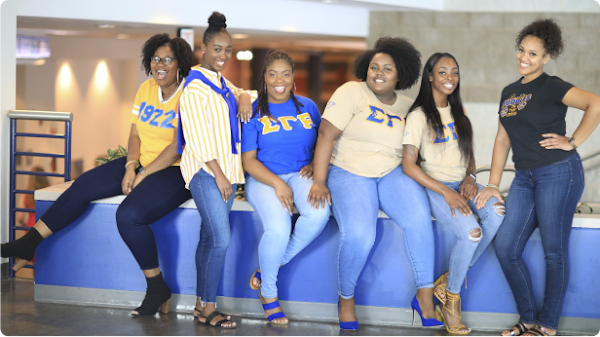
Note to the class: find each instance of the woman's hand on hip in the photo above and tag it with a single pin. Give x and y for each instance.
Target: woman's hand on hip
(457, 201)
(485, 194)
(307, 171)
(554, 141)
(128, 180)
(224, 186)
(286, 196)
(319, 194)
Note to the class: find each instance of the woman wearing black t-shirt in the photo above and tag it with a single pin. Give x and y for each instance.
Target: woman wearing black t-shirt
(549, 178)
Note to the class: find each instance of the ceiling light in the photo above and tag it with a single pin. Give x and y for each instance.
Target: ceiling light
(239, 36)
(244, 55)
(106, 25)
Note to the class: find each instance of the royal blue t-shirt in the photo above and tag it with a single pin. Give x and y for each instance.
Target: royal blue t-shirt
(285, 145)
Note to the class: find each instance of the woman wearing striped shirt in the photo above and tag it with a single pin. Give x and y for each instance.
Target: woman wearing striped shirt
(211, 164)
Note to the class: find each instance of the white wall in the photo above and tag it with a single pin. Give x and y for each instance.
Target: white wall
(8, 65)
(68, 82)
(516, 6)
(272, 15)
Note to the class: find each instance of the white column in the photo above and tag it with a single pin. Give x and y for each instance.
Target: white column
(8, 94)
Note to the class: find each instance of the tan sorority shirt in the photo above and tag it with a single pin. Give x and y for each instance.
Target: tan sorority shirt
(370, 144)
(441, 155)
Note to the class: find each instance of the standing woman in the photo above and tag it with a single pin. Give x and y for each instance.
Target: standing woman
(549, 177)
(211, 164)
(438, 130)
(149, 176)
(361, 134)
(277, 151)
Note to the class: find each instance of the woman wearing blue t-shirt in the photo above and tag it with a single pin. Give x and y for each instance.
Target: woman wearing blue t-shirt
(549, 177)
(277, 151)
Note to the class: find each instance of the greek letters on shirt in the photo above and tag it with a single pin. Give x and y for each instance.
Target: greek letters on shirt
(514, 103)
(287, 122)
(379, 116)
(156, 117)
(440, 137)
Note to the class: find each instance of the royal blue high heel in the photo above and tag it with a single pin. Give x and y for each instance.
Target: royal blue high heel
(424, 321)
(350, 326)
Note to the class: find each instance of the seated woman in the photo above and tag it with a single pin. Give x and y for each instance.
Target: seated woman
(211, 164)
(277, 151)
(149, 176)
(438, 130)
(362, 128)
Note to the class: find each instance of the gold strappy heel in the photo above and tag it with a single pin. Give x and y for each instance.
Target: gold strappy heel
(449, 307)
(439, 287)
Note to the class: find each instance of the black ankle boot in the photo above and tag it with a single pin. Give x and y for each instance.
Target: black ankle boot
(23, 248)
(158, 295)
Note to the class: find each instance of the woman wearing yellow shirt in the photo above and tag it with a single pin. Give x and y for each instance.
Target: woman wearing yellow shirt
(211, 164)
(149, 176)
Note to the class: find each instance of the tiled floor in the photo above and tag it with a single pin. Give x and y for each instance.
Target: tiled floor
(22, 316)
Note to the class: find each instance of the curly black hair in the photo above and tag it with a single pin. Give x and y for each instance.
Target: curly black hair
(546, 30)
(181, 49)
(216, 24)
(406, 58)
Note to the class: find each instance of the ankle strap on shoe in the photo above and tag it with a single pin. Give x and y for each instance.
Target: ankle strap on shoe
(452, 297)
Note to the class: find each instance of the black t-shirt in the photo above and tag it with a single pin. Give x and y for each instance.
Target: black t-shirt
(529, 110)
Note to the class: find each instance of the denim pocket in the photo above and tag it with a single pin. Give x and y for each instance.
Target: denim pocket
(579, 167)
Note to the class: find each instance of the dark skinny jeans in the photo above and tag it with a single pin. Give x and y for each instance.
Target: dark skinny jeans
(153, 198)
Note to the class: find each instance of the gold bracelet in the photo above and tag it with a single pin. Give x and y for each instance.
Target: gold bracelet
(137, 163)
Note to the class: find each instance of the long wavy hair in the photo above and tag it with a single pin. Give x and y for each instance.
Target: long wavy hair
(425, 101)
(262, 107)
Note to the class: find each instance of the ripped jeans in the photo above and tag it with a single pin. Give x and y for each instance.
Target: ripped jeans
(469, 246)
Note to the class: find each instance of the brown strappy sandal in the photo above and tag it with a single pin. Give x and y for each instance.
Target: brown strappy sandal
(520, 326)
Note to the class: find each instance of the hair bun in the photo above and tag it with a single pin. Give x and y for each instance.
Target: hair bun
(217, 19)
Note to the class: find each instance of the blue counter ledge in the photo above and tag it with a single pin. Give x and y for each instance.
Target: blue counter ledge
(88, 263)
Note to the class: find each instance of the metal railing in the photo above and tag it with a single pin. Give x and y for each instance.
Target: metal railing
(14, 116)
(487, 168)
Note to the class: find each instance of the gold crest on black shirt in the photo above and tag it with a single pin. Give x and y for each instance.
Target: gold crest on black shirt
(514, 103)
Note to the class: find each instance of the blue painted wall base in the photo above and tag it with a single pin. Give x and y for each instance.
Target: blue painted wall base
(90, 254)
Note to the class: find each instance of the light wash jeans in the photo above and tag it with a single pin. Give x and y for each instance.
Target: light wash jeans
(215, 233)
(544, 198)
(467, 249)
(276, 248)
(356, 202)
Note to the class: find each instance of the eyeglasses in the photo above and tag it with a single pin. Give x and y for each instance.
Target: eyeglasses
(166, 61)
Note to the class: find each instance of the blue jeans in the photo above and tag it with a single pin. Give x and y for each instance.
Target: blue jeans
(468, 248)
(214, 233)
(276, 248)
(356, 201)
(545, 197)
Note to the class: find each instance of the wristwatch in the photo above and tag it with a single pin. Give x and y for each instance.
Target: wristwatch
(142, 171)
(572, 142)
(473, 176)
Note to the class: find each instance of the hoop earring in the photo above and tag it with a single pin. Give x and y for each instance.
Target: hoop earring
(150, 76)
(294, 86)
(178, 74)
